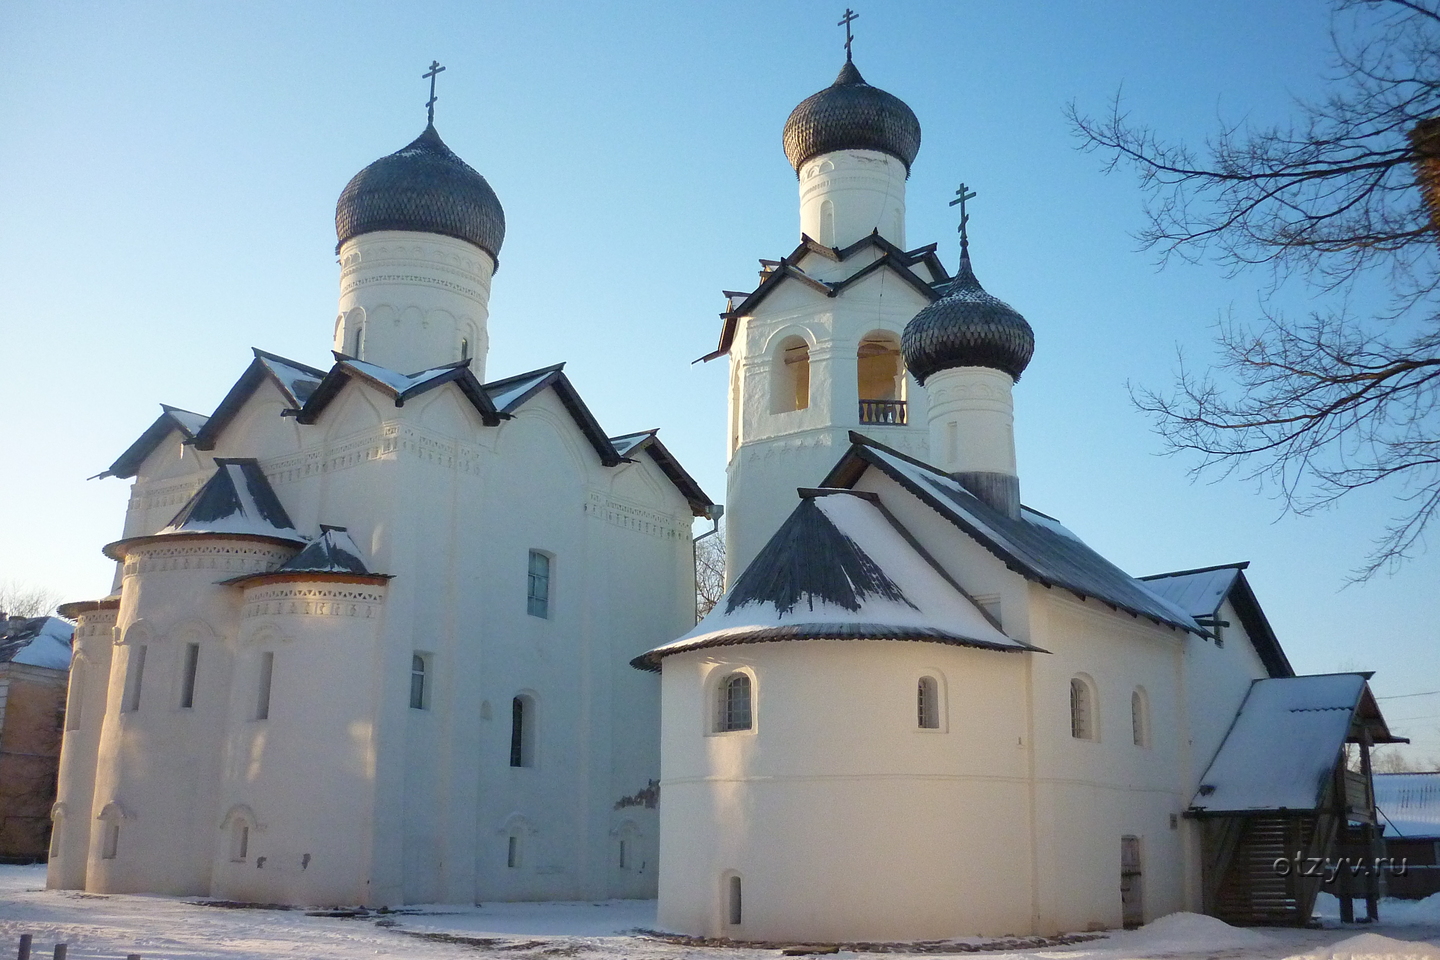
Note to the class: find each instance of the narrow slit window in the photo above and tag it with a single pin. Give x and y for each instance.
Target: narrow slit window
(624, 864)
(734, 908)
(464, 348)
(134, 678)
(417, 682)
(512, 852)
(537, 601)
(262, 693)
(187, 676)
(239, 841)
(111, 840)
(1082, 710)
(927, 703)
(75, 702)
(522, 732)
(1139, 718)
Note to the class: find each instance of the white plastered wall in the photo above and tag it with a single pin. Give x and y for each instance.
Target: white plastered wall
(843, 819)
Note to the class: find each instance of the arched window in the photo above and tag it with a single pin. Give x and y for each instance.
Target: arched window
(791, 371)
(733, 704)
(880, 377)
(734, 911)
(239, 841)
(522, 731)
(359, 339)
(927, 703)
(1140, 717)
(464, 348)
(418, 689)
(1082, 709)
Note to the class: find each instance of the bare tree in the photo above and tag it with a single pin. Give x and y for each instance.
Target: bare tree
(709, 572)
(1346, 193)
(25, 600)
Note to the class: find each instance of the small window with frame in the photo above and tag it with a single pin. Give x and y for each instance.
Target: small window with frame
(537, 598)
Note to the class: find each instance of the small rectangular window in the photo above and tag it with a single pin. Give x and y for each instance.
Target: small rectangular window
(735, 913)
(262, 693)
(537, 601)
(187, 679)
(112, 840)
(927, 701)
(418, 687)
(512, 852)
(134, 677)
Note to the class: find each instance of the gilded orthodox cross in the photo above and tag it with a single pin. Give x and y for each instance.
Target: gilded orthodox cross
(845, 21)
(434, 71)
(961, 196)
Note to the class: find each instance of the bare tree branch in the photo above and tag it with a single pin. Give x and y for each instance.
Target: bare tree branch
(1349, 190)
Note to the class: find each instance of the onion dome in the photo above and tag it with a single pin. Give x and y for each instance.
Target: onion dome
(851, 115)
(967, 327)
(424, 188)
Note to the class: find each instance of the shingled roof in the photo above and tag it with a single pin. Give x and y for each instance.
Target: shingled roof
(1201, 593)
(841, 568)
(1035, 546)
(237, 500)
(171, 419)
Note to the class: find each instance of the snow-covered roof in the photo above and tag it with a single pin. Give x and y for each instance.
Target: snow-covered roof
(171, 419)
(296, 380)
(627, 443)
(400, 386)
(1035, 546)
(236, 500)
(508, 394)
(334, 551)
(1409, 803)
(36, 641)
(1197, 592)
(1282, 749)
(841, 568)
(1201, 592)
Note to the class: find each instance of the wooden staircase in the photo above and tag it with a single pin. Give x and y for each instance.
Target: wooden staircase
(1252, 891)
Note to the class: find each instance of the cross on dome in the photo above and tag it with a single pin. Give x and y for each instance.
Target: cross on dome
(961, 195)
(845, 21)
(434, 71)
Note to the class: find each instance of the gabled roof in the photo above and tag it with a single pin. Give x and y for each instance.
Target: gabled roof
(171, 418)
(631, 445)
(1409, 804)
(841, 568)
(1201, 592)
(37, 641)
(331, 556)
(237, 500)
(295, 381)
(891, 258)
(399, 386)
(1282, 748)
(1034, 546)
(518, 390)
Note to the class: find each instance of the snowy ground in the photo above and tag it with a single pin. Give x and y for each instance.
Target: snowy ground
(165, 928)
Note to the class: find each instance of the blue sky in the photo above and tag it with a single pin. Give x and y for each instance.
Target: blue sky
(169, 173)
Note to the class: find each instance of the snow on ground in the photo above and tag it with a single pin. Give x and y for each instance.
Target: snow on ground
(169, 928)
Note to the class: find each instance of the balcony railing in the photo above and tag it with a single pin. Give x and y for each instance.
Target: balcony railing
(883, 411)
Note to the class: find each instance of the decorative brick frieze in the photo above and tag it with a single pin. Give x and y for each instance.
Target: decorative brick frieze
(631, 516)
(231, 558)
(313, 600)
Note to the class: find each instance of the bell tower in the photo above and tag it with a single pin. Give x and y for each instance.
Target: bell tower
(815, 348)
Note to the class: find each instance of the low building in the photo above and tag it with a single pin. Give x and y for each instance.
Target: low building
(34, 669)
(1409, 805)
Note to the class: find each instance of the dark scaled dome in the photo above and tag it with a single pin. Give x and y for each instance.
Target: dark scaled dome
(851, 115)
(425, 188)
(967, 327)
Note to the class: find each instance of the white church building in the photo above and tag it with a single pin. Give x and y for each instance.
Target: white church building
(374, 629)
(370, 635)
(924, 710)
